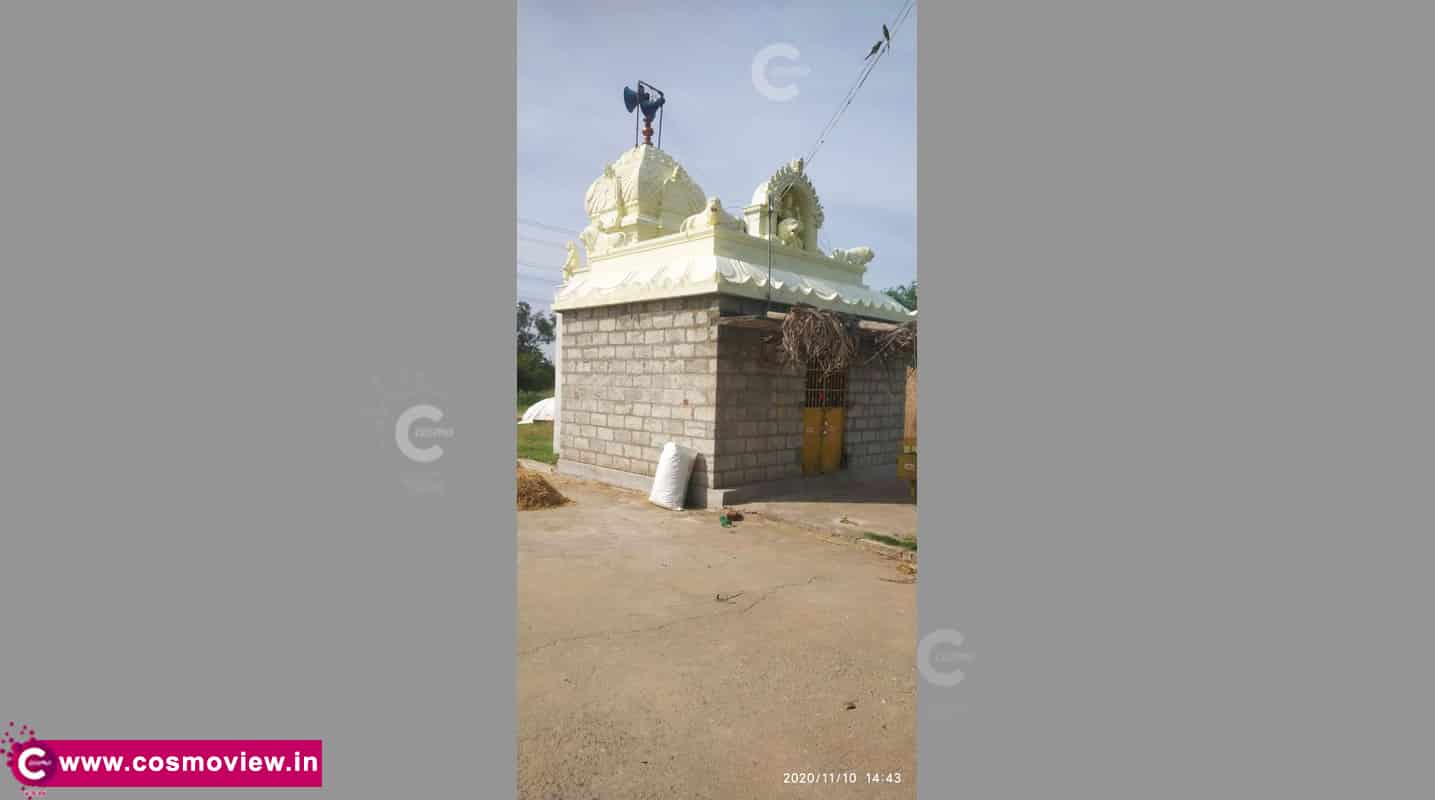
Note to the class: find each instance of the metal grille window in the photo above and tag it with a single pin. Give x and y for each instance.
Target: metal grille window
(825, 391)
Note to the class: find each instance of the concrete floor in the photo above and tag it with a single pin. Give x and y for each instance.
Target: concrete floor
(636, 681)
(846, 507)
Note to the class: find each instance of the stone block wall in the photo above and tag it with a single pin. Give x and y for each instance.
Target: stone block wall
(640, 374)
(876, 413)
(636, 376)
(759, 425)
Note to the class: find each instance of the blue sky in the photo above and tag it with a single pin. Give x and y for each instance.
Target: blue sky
(575, 58)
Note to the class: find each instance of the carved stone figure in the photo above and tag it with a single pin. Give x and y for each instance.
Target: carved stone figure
(599, 241)
(793, 198)
(572, 264)
(604, 200)
(712, 216)
(789, 221)
(788, 207)
(789, 232)
(589, 238)
(860, 256)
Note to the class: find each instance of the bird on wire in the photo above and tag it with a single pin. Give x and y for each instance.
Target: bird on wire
(886, 34)
(873, 51)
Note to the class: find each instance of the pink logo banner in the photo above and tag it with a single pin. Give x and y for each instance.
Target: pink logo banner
(167, 763)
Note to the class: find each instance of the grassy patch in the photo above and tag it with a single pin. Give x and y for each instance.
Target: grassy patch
(905, 544)
(535, 441)
(527, 397)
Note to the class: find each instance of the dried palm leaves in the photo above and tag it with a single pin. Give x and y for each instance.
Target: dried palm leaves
(816, 339)
(896, 345)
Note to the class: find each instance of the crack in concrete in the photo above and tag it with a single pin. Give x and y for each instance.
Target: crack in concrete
(668, 624)
(773, 591)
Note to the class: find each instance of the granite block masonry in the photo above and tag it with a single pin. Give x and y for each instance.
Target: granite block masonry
(638, 375)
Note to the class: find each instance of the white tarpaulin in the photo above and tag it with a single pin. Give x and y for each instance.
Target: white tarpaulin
(540, 411)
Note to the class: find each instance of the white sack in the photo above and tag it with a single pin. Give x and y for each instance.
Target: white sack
(541, 410)
(670, 483)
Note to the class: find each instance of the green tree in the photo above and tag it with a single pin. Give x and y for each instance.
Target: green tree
(905, 294)
(535, 329)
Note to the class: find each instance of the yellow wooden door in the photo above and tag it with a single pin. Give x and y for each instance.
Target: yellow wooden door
(832, 422)
(811, 440)
(823, 418)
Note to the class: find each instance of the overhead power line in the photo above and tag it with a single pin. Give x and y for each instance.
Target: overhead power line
(545, 226)
(775, 194)
(851, 95)
(531, 240)
(862, 74)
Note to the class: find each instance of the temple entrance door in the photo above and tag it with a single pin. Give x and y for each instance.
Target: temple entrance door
(824, 416)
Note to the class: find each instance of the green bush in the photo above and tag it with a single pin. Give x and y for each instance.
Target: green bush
(535, 373)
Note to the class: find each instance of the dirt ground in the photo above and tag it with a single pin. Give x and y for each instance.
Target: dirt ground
(661, 655)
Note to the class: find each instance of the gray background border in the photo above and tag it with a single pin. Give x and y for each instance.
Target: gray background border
(1176, 261)
(237, 239)
(1185, 349)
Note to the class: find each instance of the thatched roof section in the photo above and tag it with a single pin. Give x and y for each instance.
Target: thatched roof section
(830, 341)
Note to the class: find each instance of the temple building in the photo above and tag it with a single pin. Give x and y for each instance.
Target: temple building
(662, 328)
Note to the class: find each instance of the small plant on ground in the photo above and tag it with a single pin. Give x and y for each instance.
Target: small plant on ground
(905, 544)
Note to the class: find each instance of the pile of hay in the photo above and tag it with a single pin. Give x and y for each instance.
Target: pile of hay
(535, 492)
